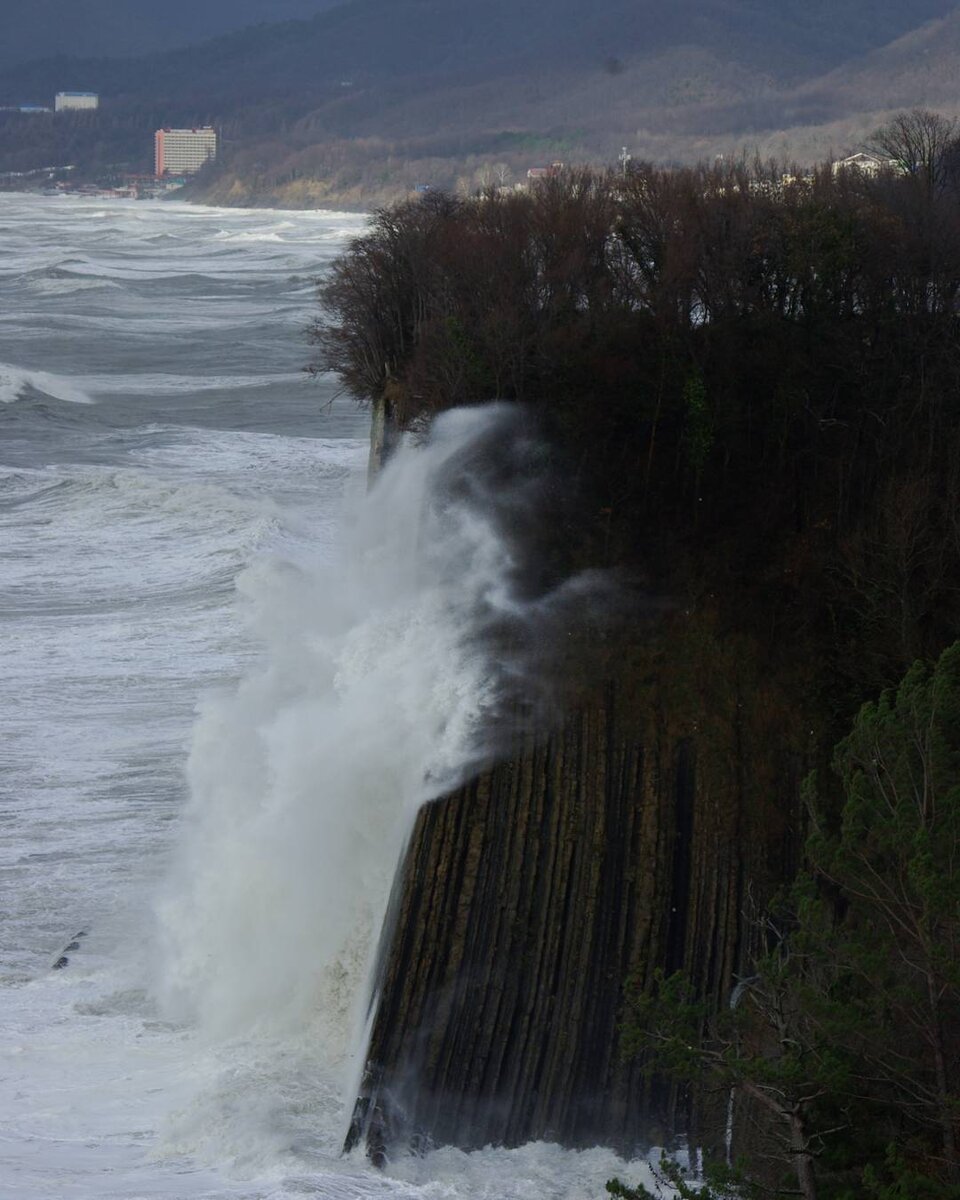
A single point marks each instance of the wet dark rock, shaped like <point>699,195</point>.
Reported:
<point>62,961</point>
<point>625,841</point>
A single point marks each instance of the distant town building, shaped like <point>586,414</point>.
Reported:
<point>869,164</point>
<point>65,101</point>
<point>183,151</point>
<point>535,173</point>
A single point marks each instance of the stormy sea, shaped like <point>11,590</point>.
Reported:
<point>229,678</point>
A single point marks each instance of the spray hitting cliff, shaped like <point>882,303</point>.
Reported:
<point>385,680</point>
<point>633,805</point>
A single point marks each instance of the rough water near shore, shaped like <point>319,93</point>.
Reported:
<point>190,583</point>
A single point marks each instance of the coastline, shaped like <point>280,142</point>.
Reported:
<point>331,209</point>
<point>300,195</point>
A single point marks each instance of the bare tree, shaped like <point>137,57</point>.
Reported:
<point>920,143</point>
<point>485,175</point>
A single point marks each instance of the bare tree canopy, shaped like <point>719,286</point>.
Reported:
<point>922,144</point>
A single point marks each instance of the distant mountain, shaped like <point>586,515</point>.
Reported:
<point>461,41</point>
<point>403,91</point>
<point>920,68</point>
<point>123,28</point>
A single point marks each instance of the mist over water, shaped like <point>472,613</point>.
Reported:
<point>230,679</point>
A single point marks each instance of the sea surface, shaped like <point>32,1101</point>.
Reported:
<point>228,680</point>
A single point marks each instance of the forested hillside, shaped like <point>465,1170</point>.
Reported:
<point>372,97</point>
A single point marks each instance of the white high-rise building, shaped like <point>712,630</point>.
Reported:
<point>183,151</point>
<point>74,100</point>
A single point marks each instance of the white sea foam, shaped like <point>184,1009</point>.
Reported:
<point>14,382</point>
<point>143,383</point>
<point>67,285</point>
<point>122,529</point>
<point>260,235</point>
<point>532,1172</point>
<point>305,780</point>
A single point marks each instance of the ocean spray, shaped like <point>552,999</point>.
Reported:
<point>375,692</point>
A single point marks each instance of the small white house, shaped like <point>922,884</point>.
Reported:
<point>65,101</point>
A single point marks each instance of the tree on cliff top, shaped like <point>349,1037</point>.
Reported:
<point>750,383</point>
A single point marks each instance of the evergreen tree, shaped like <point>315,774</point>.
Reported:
<point>847,1030</point>
<point>895,856</point>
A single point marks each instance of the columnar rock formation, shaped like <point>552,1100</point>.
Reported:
<point>629,838</point>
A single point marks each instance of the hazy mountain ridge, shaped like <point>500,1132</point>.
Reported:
<point>111,28</point>
<point>424,38</point>
<point>919,68</point>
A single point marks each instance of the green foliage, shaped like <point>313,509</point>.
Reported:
<point>894,854</point>
<point>900,825</point>
<point>665,1023</point>
<point>898,1179</point>
<point>775,1039</point>
<point>848,1027</point>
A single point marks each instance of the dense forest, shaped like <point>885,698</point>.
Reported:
<point>754,380</point>
<point>749,388</point>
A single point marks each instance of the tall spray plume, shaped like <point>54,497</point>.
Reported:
<point>383,682</point>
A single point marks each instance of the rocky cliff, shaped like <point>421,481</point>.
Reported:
<point>630,837</point>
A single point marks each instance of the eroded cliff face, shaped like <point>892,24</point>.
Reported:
<point>632,836</point>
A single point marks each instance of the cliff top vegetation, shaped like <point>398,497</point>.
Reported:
<point>749,381</point>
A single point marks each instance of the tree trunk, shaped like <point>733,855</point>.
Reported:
<point>943,1084</point>
<point>802,1158</point>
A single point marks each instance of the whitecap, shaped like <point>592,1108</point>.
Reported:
<point>66,285</point>
<point>14,382</point>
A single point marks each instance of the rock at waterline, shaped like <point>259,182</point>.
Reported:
<point>63,959</point>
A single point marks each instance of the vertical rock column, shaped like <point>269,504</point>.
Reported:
<point>509,927</point>
<point>525,901</point>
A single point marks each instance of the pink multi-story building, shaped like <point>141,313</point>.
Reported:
<point>183,151</point>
